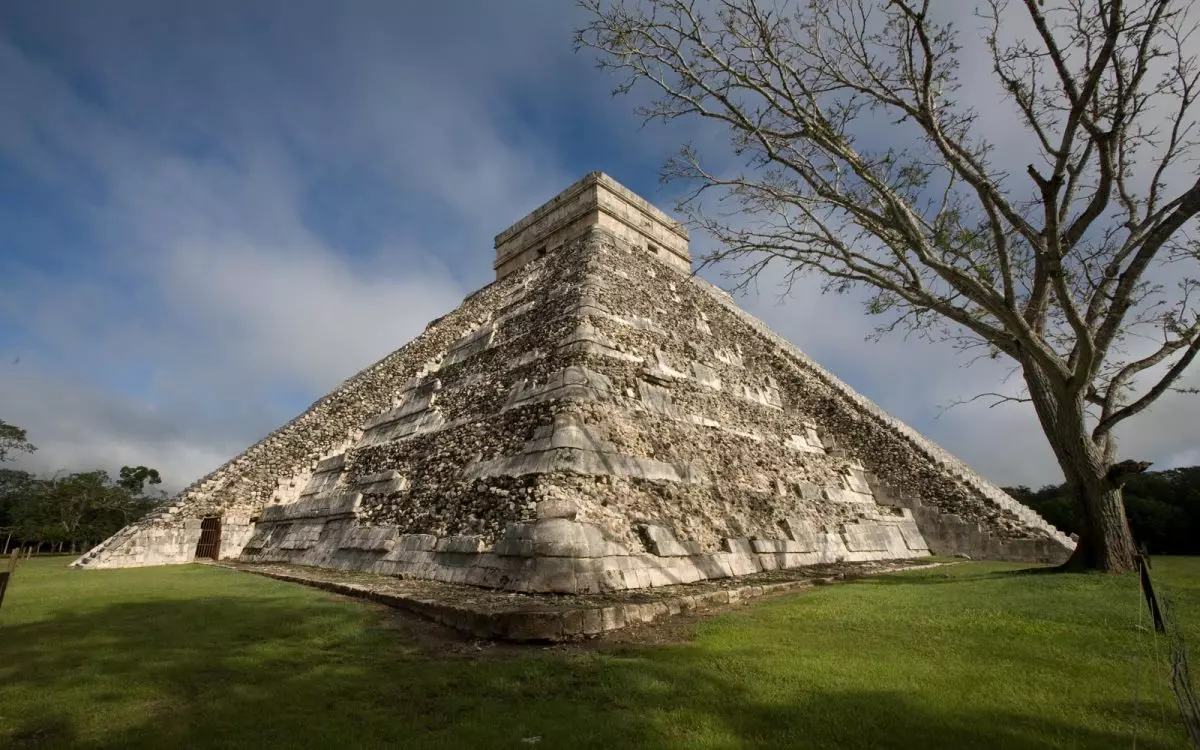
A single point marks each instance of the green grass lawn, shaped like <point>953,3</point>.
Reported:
<point>972,655</point>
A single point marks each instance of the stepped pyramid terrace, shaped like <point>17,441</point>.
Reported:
<point>595,420</point>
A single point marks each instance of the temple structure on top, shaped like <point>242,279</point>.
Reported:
<point>596,419</point>
<point>596,201</point>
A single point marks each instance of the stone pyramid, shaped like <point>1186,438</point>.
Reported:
<point>596,419</point>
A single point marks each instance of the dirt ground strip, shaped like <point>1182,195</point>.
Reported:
<point>501,615</point>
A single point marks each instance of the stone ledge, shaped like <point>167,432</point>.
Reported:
<point>540,618</point>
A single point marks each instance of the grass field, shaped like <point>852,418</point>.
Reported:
<point>967,656</point>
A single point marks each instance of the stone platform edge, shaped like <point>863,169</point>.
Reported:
<point>541,625</point>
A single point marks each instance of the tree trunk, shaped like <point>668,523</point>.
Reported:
<point>1105,542</point>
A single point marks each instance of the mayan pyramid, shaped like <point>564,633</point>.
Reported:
<point>595,419</point>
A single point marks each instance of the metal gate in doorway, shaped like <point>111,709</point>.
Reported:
<point>209,545</point>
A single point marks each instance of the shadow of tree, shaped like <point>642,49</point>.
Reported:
<point>228,672</point>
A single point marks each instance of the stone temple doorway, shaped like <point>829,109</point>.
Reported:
<point>209,545</point>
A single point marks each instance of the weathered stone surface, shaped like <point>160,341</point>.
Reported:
<point>557,509</point>
<point>461,544</point>
<point>661,541</point>
<point>596,381</point>
<point>320,505</point>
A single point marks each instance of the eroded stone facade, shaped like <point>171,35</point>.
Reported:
<point>597,419</point>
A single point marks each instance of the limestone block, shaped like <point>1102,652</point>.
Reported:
<point>416,542</point>
<point>765,396</point>
<point>843,495</point>
<point>856,480</point>
<point>737,546</point>
<point>333,463</point>
<point>663,369</point>
<point>742,564</point>
<point>568,431</point>
<point>685,569</point>
<point>556,537</point>
<point>656,398</point>
<point>461,544</point>
<point>314,506</point>
<point>640,323</point>
<point>702,421</point>
<point>322,481</point>
<point>302,536</point>
<point>661,541</point>
<point>913,539</point>
<point>812,436</point>
<point>470,345</point>
<point>587,339</point>
<point>706,376</point>
<point>865,537</point>
<point>802,444</point>
<point>777,545</point>
<point>411,558</point>
<point>526,358</point>
<point>370,538</point>
<point>801,533</point>
<point>831,547</point>
<point>413,404</point>
<point>513,310</point>
<point>557,509</point>
<point>383,483</point>
<point>571,383</point>
<point>785,560</point>
<point>415,414</point>
<point>576,461</point>
<point>730,357</point>
<point>514,547</point>
<point>751,435</point>
<point>711,565</point>
<point>402,429</point>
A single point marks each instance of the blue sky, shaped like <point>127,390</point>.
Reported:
<point>211,213</point>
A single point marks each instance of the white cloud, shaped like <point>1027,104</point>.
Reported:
<point>78,426</point>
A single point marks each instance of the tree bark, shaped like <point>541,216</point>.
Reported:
<point>1105,542</point>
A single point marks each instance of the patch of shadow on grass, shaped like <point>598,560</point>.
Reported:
<point>50,731</point>
<point>870,719</point>
<point>925,578</point>
<point>227,672</point>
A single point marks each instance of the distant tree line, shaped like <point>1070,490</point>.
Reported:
<point>67,512</point>
<point>1163,508</point>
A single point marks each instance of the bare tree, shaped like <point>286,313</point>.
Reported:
<point>861,165</point>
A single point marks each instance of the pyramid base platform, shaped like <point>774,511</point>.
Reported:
<point>543,618</point>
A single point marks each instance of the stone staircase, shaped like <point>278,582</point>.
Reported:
<point>161,514</point>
